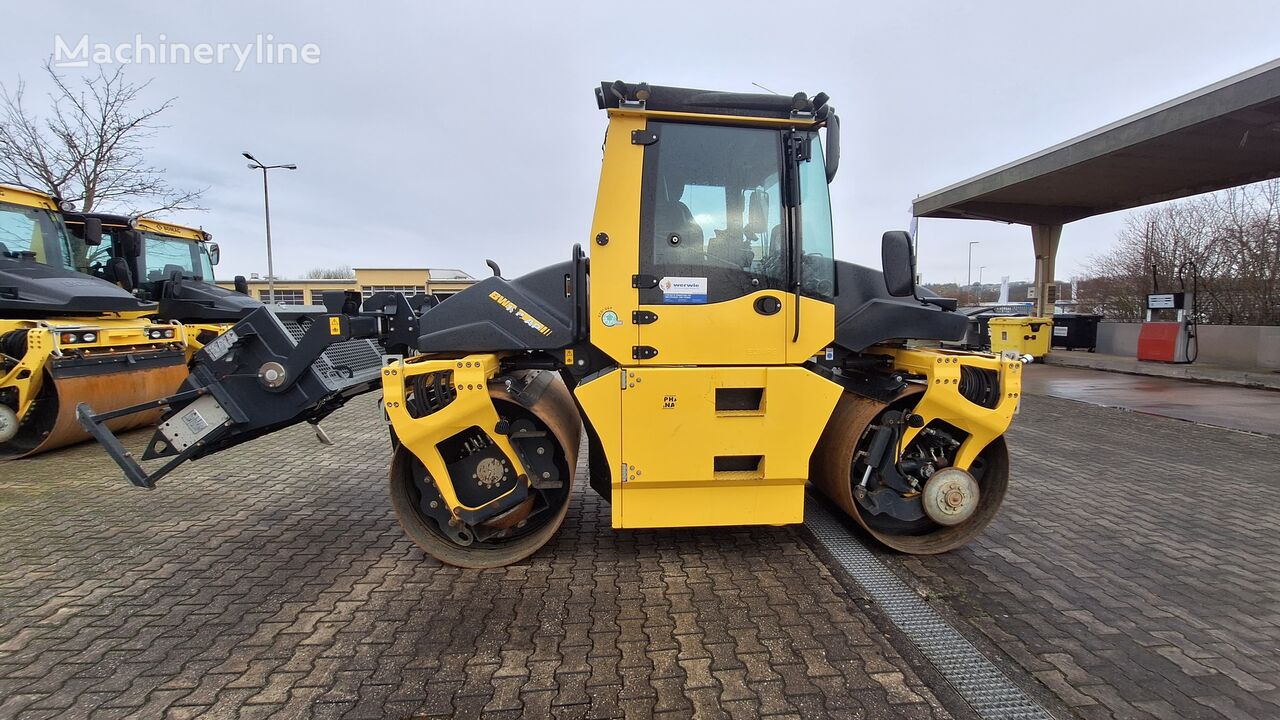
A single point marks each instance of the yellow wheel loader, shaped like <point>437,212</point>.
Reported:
<point>66,338</point>
<point>711,350</point>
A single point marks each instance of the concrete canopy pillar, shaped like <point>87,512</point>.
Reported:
<point>1044,238</point>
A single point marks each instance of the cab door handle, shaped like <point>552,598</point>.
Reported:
<point>768,305</point>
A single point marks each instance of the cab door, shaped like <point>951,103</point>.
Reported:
<point>713,263</point>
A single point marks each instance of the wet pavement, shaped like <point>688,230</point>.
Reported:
<point>1226,406</point>
<point>1134,568</point>
<point>272,581</point>
<point>1133,572</point>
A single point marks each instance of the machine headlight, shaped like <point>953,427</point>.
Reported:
<point>79,336</point>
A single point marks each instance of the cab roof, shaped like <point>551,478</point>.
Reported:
<point>642,96</point>
<point>172,230</point>
<point>144,223</point>
<point>27,197</point>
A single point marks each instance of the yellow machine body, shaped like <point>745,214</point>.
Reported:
<point>719,427</point>
<point>107,373</point>
<point>697,446</point>
<point>50,364</point>
<point>473,407</point>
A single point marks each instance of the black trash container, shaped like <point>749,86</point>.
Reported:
<point>1076,331</point>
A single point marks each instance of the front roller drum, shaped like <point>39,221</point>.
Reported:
<point>523,529</point>
<point>51,422</point>
<point>836,472</point>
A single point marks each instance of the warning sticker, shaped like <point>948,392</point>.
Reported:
<point>683,290</point>
<point>221,344</point>
<point>1060,331</point>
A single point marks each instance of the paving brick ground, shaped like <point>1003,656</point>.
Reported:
<point>272,581</point>
<point>1135,568</point>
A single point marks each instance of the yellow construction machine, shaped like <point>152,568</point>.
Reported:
<point>166,263</point>
<point>713,352</point>
<point>66,338</point>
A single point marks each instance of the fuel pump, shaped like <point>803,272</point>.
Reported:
<point>1169,332</point>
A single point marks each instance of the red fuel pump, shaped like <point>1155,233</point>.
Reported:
<point>1169,333</point>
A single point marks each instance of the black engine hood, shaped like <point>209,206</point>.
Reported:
<point>867,314</point>
<point>31,289</point>
<point>195,300</point>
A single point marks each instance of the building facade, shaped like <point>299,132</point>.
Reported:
<point>441,282</point>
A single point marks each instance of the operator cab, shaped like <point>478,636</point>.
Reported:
<point>37,276</point>
<point>170,264</point>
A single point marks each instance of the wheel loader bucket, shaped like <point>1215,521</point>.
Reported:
<point>109,383</point>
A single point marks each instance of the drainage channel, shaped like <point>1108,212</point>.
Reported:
<point>987,690</point>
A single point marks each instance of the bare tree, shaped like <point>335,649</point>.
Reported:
<point>89,148</point>
<point>339,272</point>
<point>1230,238</point>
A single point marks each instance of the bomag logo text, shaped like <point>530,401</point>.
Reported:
<point>523,316</point>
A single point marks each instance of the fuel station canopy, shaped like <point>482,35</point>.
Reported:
<point>1220,136</point>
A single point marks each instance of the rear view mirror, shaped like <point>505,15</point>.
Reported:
<point>833,146</point>
<point>758,212</point>
<point>215,253</point>
<point>899,263</point>
<point>92,232</point>
<point>241,285</point>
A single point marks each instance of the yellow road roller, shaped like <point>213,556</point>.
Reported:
<point>710,349</point>
<point>66,338</point>
<point>166,263</point>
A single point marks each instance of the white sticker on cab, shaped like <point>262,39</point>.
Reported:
<point>683,290</point>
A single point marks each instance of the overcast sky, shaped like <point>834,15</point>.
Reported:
<point>432,134</point>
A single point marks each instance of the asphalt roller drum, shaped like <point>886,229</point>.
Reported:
<point>832,472</point>
<point>52,421</point>
<point>554,410</point>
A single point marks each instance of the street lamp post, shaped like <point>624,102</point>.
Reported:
<point>969,266</point>
<point>255,164</point>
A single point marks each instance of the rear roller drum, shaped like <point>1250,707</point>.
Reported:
<point>933,510</point>
<point>517,532</point>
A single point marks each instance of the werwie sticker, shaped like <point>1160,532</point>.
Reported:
<point>683,290</point>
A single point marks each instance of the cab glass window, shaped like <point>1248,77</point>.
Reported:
<point>817,266</point>
<point>25,229</point>
<point>91,259</point>
<point>711,213</point>
<point>206,267</point>
<point>164,254</point>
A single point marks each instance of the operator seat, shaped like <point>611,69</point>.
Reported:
<point>675,219</point>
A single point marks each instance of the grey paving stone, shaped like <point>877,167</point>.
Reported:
<point>272,580</point>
